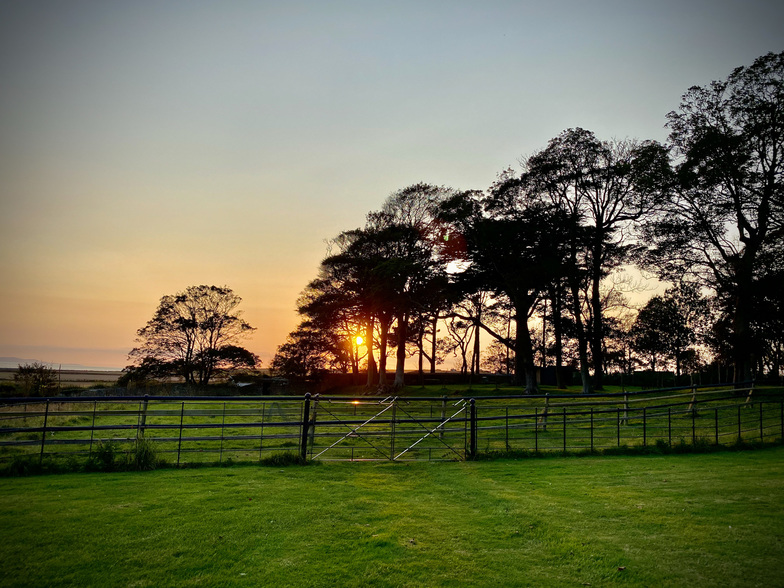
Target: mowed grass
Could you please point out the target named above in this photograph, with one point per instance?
(676, 520)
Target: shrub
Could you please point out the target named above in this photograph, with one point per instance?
(21, 465)
(7, 390)
(143, 456)
(104, 458)
(36, 379)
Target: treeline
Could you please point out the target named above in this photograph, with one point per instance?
(535, 261)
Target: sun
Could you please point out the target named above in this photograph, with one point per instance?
(359, 340)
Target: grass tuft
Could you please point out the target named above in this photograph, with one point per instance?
(287, 458)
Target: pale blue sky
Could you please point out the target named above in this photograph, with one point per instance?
(149, 146)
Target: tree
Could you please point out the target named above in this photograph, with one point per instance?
(421, 279)
(365, 267)
(194, 334)
(655, 323)
(604, 186)
(36, 379)
(385, 276)
(725, 206)
(497, 359)
(331, 308)
(670, 325)
(308, 351)
(693, 316)
(513, 251)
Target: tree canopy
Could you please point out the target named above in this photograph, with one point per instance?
(193, 334)
(535, 261)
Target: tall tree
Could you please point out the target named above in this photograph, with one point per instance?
(411, 217)
(328, 306)
(604, 186)
(512, 251)
(725, 204)
(194, 334)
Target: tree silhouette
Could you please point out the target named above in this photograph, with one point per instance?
(514, 251)
(604, 187)
(725, 207)
(193, 334)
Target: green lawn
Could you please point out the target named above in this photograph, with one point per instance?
(676, 520)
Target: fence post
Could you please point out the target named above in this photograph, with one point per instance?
(618, 425)
(223, 427)
(740, 436)
(625, 408)
(761, 425)
(303, 445)
(142, 418)
(443, 416)
(261, 430)
(507, 428)
(179, 442)
(392, 430)
(716, 423)
(92, 429)
(536, 430)
(43, 436)
(751, 389)
(545, 410)
(564, 429)
(313, 423)
(694, 427)
(472, 430)
(592, 429)
(691, 408)
(644, 426)
(669, 425)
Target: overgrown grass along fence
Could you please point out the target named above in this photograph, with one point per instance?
(191, 430)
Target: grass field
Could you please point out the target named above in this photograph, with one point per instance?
(677, 520)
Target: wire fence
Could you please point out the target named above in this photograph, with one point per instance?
(188, 430)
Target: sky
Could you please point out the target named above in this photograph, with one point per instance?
(149, 146)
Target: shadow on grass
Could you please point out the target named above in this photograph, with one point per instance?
(661, 447)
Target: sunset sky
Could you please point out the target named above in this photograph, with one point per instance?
(149, 146)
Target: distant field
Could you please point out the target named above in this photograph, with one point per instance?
(72, 377)
(677, 520)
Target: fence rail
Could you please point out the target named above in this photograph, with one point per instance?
(216, 429)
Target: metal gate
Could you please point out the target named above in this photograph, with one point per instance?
(390, 429)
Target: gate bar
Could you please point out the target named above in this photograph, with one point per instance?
(354, 430)
(429, 432)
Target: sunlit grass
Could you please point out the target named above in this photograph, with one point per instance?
(699, 520)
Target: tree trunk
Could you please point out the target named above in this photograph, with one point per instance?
(582, 344)
(475, 356)
(433, 348)
(557, 321)
(742, 345)
(371, 361)
(383, 325)
(524, 351)
(400, 365)
(597, 335)
(421, 362)
(421, 351)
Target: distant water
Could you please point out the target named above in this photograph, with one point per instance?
(13, 362)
